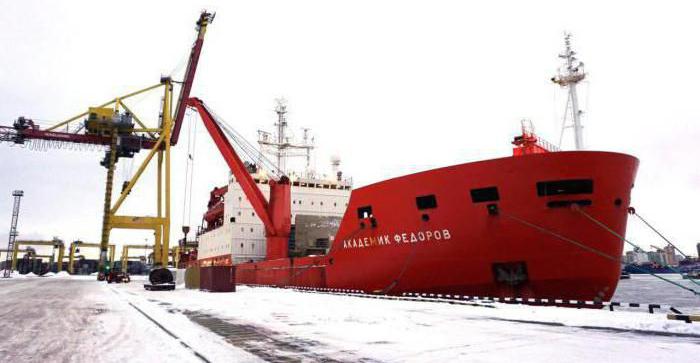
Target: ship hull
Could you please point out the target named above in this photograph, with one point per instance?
(527, 239)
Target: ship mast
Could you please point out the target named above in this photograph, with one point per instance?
(568, 76)
(281, 146)
(281, 110)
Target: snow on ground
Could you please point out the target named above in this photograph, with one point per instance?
(79, 319)
(82, 320)
(388, 330)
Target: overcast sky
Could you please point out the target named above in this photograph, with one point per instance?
(392, 87)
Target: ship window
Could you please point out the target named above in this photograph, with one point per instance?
(571, 186)
(252, 214)
(489, 194)
(364, 212)
(321, 203)
(322, 242)
(251, 230)
(233, 219)
(426, 202)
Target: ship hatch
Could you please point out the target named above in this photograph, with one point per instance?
(511, 273)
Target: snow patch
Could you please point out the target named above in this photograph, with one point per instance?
(419, 331)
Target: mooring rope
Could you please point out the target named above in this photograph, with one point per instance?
(589, 248)
(605, 227)
(633, 212)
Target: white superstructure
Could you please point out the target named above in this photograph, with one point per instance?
(241, 237)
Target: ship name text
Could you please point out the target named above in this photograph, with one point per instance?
(398, 238)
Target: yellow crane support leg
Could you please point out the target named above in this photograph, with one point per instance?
(106, 227)
(61, 253)
(167, 127)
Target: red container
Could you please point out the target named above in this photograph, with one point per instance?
(217, 279)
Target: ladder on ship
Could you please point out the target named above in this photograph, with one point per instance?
(17, 194)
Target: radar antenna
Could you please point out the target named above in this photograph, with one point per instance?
(569, 75)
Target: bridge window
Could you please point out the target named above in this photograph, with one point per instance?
(489, 194)
(426, 202)
(364, 212)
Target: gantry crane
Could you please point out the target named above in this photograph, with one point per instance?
(114, 125)
(125, 254)
(55, 243)
(76, 245)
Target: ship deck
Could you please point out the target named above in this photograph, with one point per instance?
(79, 319)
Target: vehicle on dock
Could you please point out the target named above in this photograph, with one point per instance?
(118, 277)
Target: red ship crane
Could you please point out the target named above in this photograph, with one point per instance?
(275, 213)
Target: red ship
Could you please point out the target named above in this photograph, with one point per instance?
(540, 224)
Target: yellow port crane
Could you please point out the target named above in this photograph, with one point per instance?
(74, 249)
(55, 243)
(115, 126)
(125, 254)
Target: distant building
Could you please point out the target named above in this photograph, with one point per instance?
(656, 257)
(670, 254)
(637, 257)
(698, 247)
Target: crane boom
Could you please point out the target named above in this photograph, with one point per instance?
(205, 19)
(275, 214)
(25, 129)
